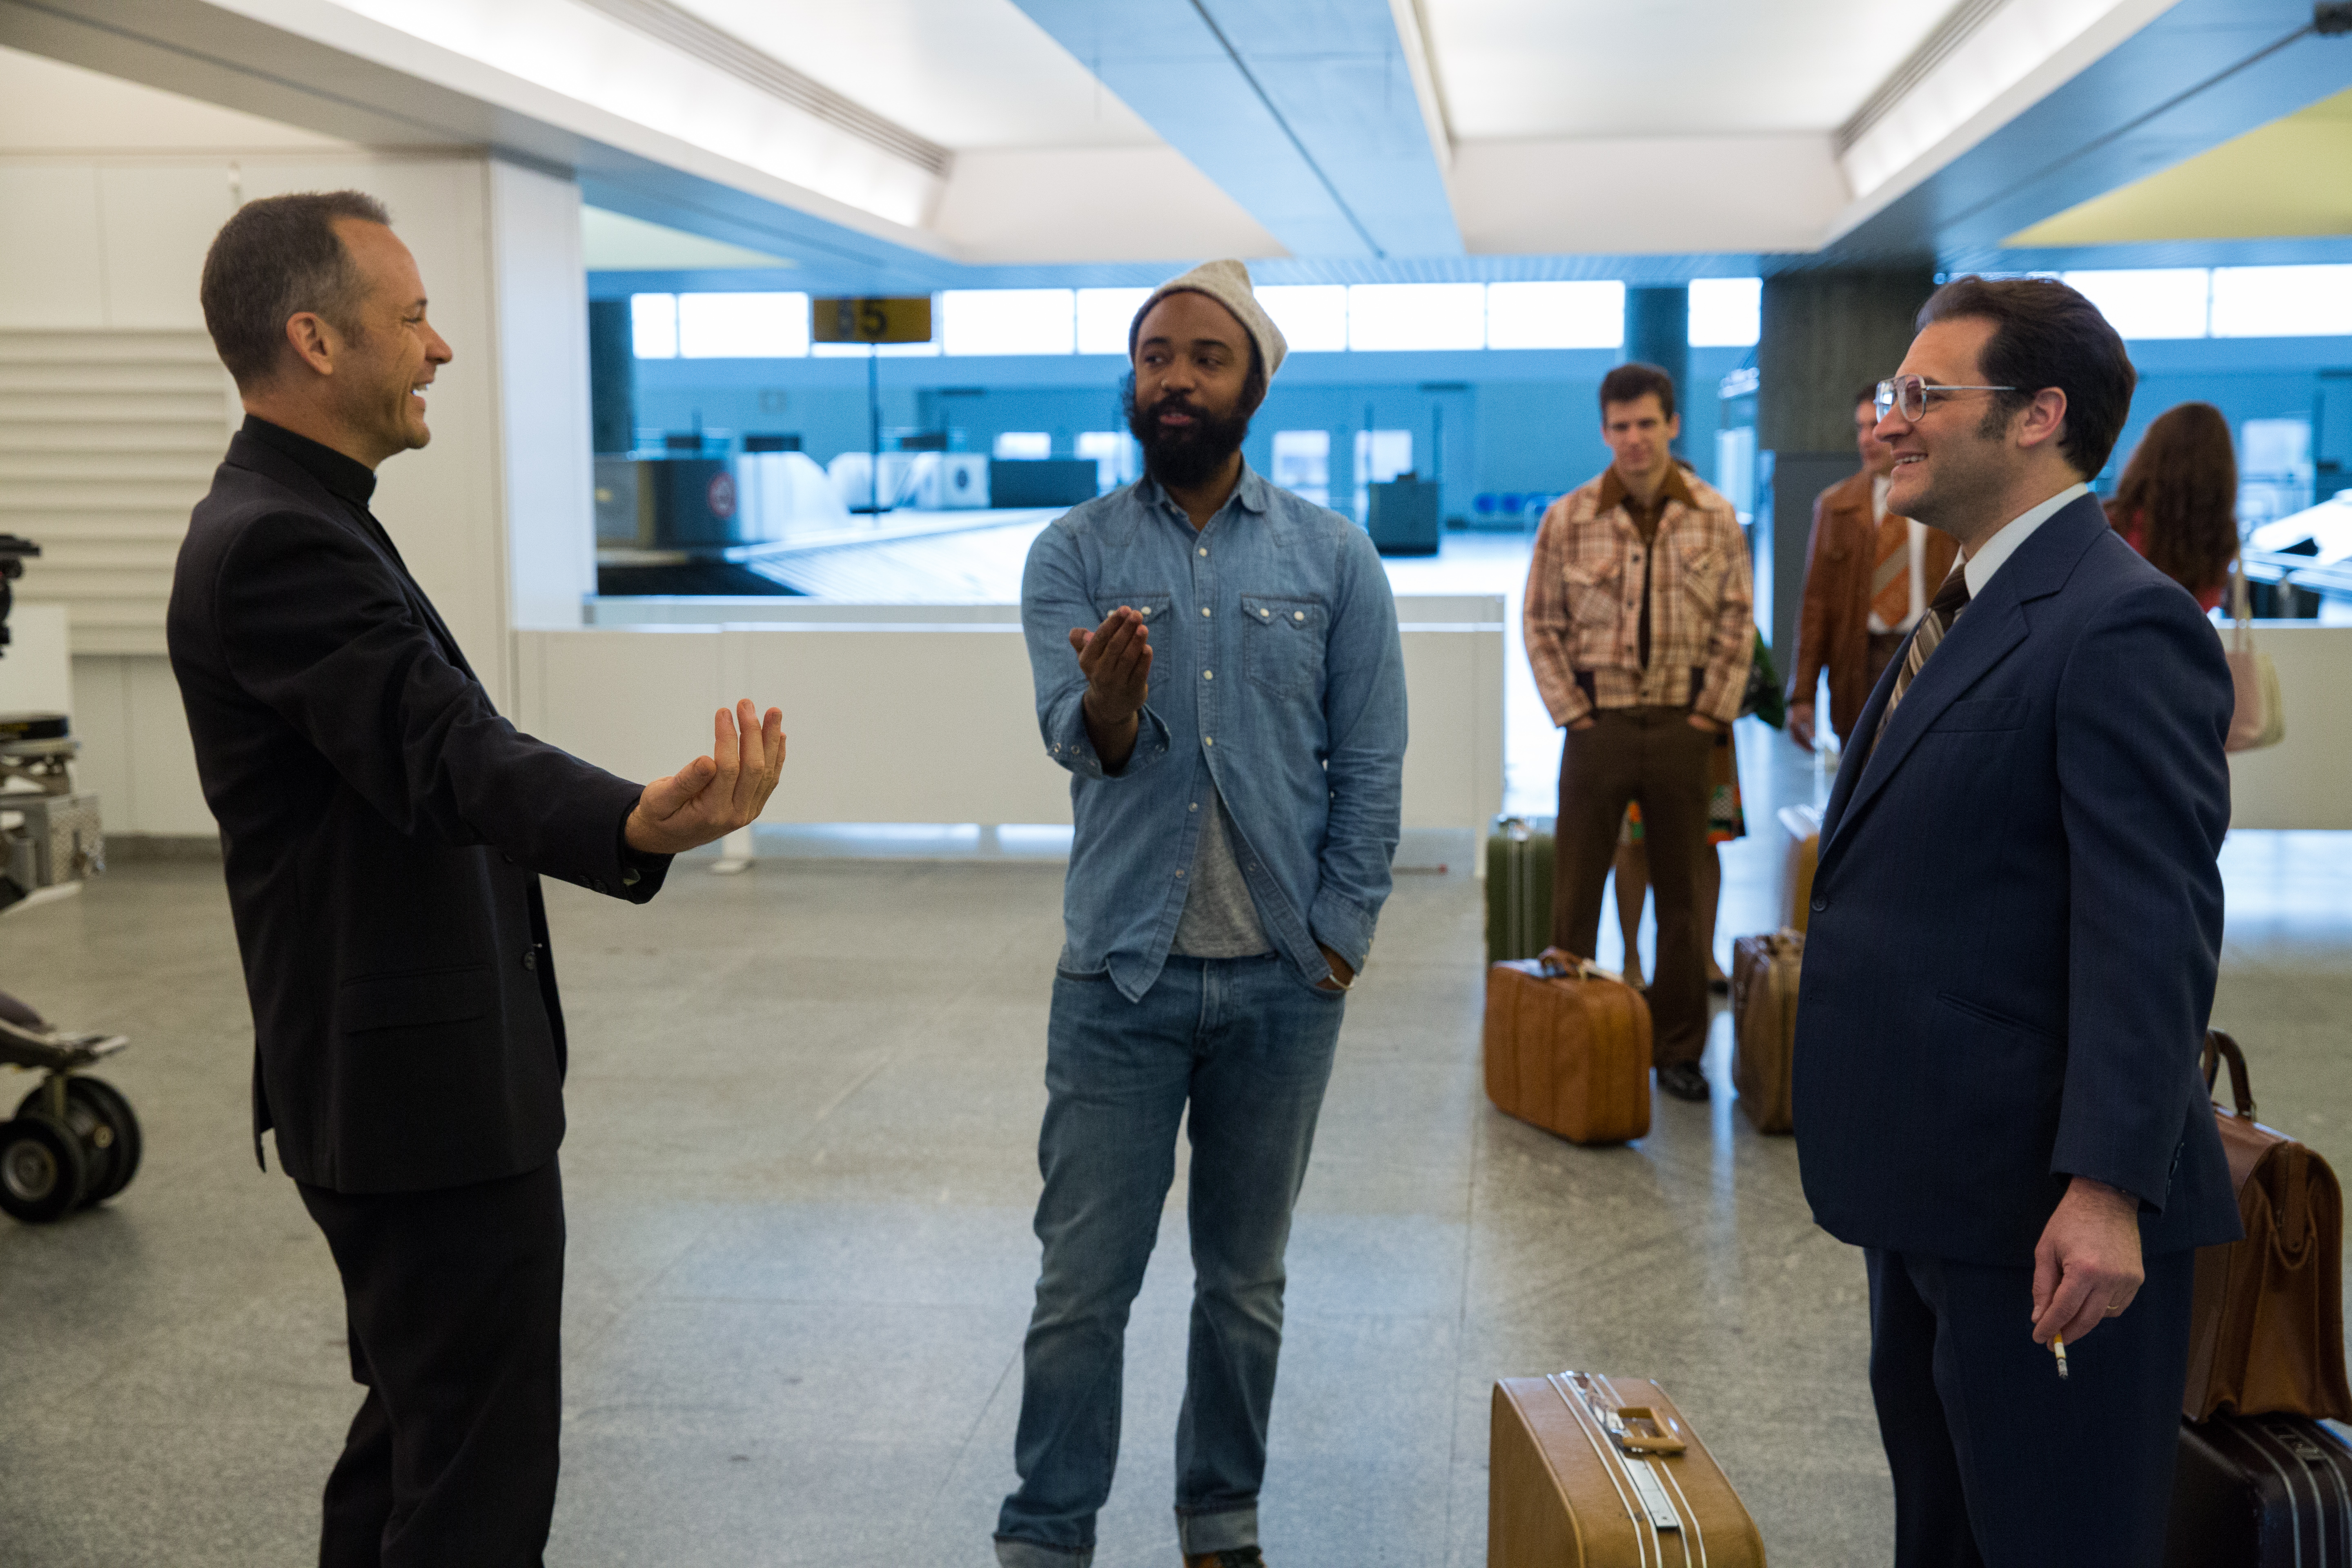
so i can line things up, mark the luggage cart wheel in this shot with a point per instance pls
(102, 1120)
(43, 1173)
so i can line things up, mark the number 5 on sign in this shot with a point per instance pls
(905, 320)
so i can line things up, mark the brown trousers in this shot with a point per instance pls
(1655, 755)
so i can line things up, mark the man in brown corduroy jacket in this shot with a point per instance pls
(1868, 576)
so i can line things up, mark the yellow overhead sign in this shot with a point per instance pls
(905, 320)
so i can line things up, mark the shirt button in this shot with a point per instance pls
(1262, 614)
(1208, 741)
(531, 958)
(1297, 615)
(1820, 904)
(1205, 550)
(1195, 806)
(1204, 609)
(1208, 675)
(1179, 875)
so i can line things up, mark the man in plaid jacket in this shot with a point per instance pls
(1639, 626)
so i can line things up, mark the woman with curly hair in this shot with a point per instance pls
(2177, 502)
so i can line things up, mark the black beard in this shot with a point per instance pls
(1189, 457)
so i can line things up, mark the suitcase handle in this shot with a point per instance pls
(1559, 963)
(2219, 1048)
(1636, 1429)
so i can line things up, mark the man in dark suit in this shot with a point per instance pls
(2016, 924)
(383, 831)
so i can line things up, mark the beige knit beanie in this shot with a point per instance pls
(1228, 283)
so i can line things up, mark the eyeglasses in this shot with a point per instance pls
(1910, 393)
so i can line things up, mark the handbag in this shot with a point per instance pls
(2260, 719)
(2266, 1326)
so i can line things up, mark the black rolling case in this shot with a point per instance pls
(2253, 1491)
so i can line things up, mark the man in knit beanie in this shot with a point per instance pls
(1235, 817)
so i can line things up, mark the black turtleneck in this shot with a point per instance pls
(347, 478)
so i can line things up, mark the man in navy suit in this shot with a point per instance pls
(2016, 922)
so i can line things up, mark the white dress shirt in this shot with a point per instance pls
(1989, 556)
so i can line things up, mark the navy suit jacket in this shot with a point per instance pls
(2016, 919)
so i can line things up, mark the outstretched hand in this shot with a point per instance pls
(712, 796)
(1116, 659)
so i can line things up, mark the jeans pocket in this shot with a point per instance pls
(1100, 977)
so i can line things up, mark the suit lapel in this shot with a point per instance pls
(1987, 632)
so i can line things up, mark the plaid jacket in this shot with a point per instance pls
(1582, 615)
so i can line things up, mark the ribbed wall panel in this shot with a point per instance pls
(106, 440)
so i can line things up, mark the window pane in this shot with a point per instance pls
(1313, 316)
(1555, 315)
(1104, 316)
(1118, 460)
(1020, 445)
(653, 322)
(1008, 321)
(1417, 316)
(2282, 301)
(742, 326)
(1725, 312)
(1302, 464)
(2148, 302)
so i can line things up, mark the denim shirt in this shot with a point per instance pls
(1277, 675)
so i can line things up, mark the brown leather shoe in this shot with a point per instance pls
(1236, 1557)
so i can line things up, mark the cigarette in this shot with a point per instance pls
(2058, 1349)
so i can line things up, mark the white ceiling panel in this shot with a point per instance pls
(1525, 69)
(963, 73)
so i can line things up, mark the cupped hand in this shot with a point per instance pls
(712, 796)
(1116, 659)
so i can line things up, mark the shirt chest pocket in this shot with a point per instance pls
(1591, 588)
(1702, 567)
(1282, 644)
(1152, 607)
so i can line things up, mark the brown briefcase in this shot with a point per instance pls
(1764, 1025)
(2267, 1330)
(1590, 1472)
(1568, 1047)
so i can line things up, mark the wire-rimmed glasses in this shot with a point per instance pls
(1909, 394)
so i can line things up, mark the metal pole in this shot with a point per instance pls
(874, 429)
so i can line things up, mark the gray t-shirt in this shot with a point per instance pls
(1219, 920)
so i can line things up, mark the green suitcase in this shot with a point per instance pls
(1518, 890)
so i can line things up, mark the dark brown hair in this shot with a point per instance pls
(2044, 335)
(1869, 392)
(275, 258)
(2180, 492)
(1632, 381)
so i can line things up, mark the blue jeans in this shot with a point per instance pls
(1248, 1043)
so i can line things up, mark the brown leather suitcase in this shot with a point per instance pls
(1592, 1471)
(1764, 1025)
(2266, 1326)
(1568, 1048)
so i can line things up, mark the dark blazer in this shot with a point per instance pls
(2016, 919)
(382, 829)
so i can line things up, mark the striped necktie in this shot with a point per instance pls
(1934, 626)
